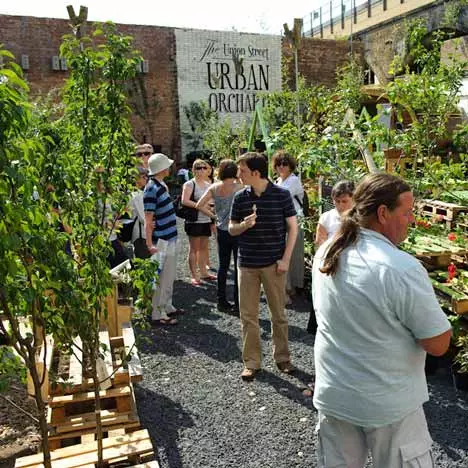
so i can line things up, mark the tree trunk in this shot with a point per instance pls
(97, 403)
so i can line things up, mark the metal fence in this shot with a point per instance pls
(334, 13)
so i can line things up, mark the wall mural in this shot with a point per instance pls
(227, 70)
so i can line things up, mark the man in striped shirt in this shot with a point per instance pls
(264, 218)
(161, 237)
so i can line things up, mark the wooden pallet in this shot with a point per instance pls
(120, 364)
(122, 447)
(457, 300)
(437, 209)
(434, 251)
(70, 417)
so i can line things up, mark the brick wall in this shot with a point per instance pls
(154, 95)
(318, 59)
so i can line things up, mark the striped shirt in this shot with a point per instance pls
(263, 244)
(157, 200)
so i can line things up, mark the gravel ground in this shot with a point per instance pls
(201, 415)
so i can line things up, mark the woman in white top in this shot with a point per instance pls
(137, 211)
(284, 165)
(198, 231)
(330, 221)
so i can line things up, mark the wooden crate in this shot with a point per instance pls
(131, 447)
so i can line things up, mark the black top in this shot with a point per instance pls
(263, 244)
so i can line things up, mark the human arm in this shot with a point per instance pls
(418, 309)
(436, 345)
(239, 223)
(237, 228)
(187, 192)
(204, 201)
(321, 235)
(283, 264)
(149, 231)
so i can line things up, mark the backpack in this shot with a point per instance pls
(304, 204)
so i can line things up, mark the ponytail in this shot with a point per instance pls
(373, 191)
(346, 236)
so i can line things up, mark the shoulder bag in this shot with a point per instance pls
(186, 212)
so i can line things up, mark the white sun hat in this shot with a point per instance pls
(158, 162)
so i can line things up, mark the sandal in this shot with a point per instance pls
(164, 322)
(195, 282)
(176, 312)
(209, 278)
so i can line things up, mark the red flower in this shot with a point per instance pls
(452, 237)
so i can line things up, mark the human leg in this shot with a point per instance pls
(203, 257)
(249, 284)
(224, 258)
(295, 276)
(166, 282)
(274, 285)
(403, 444)
(236, 277)
(340, 444)
(194, 247)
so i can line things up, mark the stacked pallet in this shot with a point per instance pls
(434, 250)
(439, 210)
(132, 447)
(71, 414)
(71, 404)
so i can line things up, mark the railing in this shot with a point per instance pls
(333, 14)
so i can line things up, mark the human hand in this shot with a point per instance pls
(282, 266)
(152, 249)
(249, 221)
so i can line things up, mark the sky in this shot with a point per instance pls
(254, 16)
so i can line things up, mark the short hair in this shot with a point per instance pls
(343, 187)
(283, 156)
(227, 169)
(255, 162)
(144, 146)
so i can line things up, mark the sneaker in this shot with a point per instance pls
(224, 306)
(248, 374)
(286, 367)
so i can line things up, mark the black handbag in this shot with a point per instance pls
(140, 250)
(126, 228)
(186, 212)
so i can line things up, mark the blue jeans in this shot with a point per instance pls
(227, 244)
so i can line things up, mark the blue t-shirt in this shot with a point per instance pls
(156, 199)
(263, 244)
(369, 366)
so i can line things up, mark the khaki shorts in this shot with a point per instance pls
(403, 444)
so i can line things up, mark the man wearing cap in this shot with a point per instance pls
(144, 152)
(161, 237)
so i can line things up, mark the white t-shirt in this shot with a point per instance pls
(137, 210)
(294, 185)
(331, 221)
(369, 366)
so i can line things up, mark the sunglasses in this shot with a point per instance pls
(145, 153)
(200, 168)
(282, 163)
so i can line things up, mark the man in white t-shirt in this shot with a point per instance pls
(330, 221)
(377, 317)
